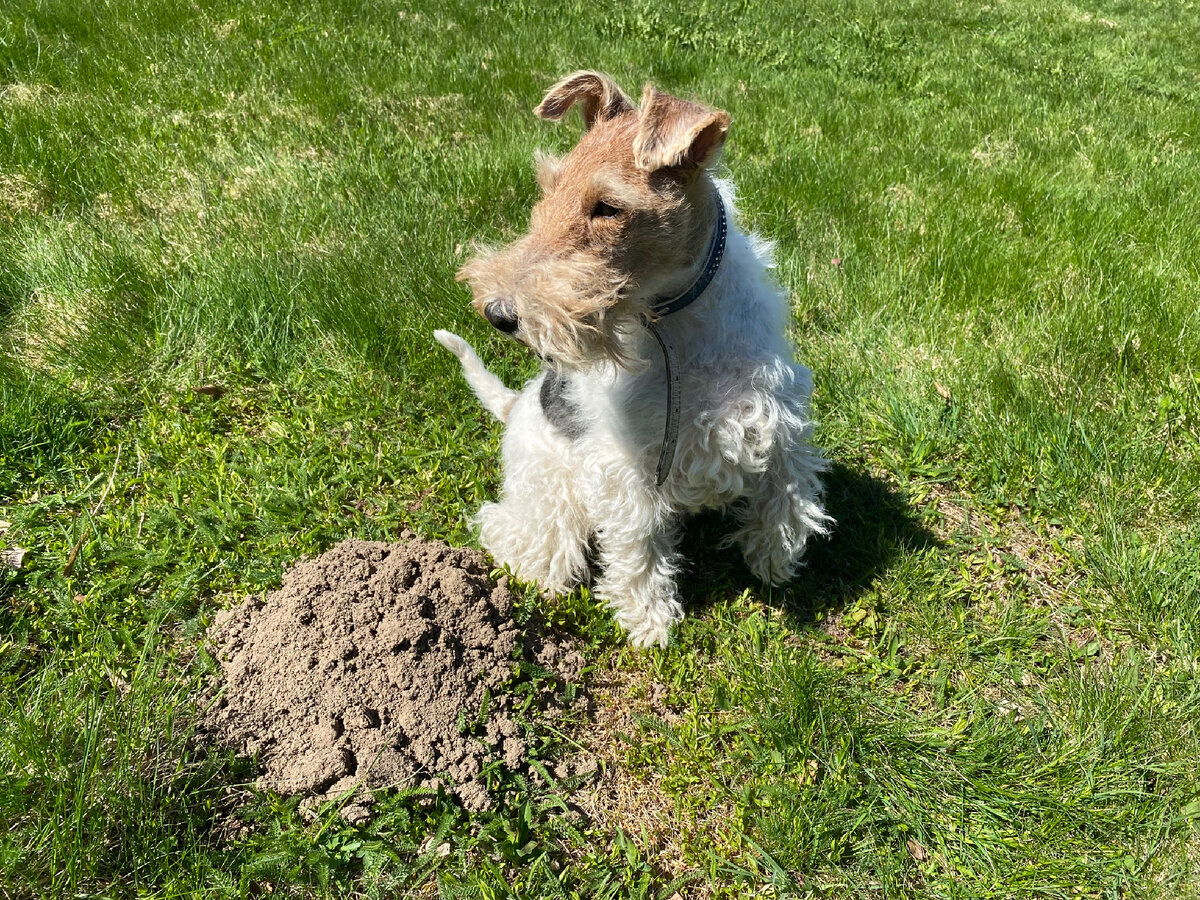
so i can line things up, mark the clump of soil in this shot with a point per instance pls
(369, 668)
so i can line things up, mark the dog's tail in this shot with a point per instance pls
(490, 390)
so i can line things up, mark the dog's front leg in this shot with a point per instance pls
(637, 542)
(540, 527)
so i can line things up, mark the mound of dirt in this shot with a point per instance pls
(369, 668)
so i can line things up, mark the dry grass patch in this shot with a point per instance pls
(222, 30)
(28, 95)
(44, 325)
(635, 802)
(1043, 558)
(423, 117)
(20, 196)
(994, 151)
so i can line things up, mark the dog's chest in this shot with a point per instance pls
(712, 466)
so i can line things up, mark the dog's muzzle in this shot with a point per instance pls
(502, 315)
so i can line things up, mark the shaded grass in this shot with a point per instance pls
(981, 686)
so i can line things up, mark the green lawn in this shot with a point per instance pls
(983, 685)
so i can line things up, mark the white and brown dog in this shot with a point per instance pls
(669, 385)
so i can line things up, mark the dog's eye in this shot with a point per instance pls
(603, 210)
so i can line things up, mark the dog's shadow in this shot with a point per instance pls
(875, 527)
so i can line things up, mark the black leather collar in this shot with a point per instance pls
(666, 306)
(716, 252)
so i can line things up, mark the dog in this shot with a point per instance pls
(668, 386)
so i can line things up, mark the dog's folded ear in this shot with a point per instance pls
(597, 94)
(674, 133)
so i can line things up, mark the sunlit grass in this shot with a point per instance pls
(226, 234)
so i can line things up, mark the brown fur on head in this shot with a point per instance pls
(624, 219)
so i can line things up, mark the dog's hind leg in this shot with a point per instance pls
(783, 511)
(491, 391)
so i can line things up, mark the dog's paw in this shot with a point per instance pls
(649, 634)
(451, 342)
(651, 627)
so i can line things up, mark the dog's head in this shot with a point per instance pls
(624, 219)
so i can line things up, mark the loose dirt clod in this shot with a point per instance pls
(369, 668)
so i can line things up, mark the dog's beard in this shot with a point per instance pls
(574, 312)
(606, 338)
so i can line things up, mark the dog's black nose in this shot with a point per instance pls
(502, 315)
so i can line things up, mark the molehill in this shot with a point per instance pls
(369, 668)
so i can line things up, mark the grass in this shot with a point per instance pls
(226, 233)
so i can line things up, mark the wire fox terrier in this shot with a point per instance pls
(669, 385)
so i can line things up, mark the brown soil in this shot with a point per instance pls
(369, 668)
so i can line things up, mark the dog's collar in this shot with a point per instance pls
(666, 306)
(716, 252)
